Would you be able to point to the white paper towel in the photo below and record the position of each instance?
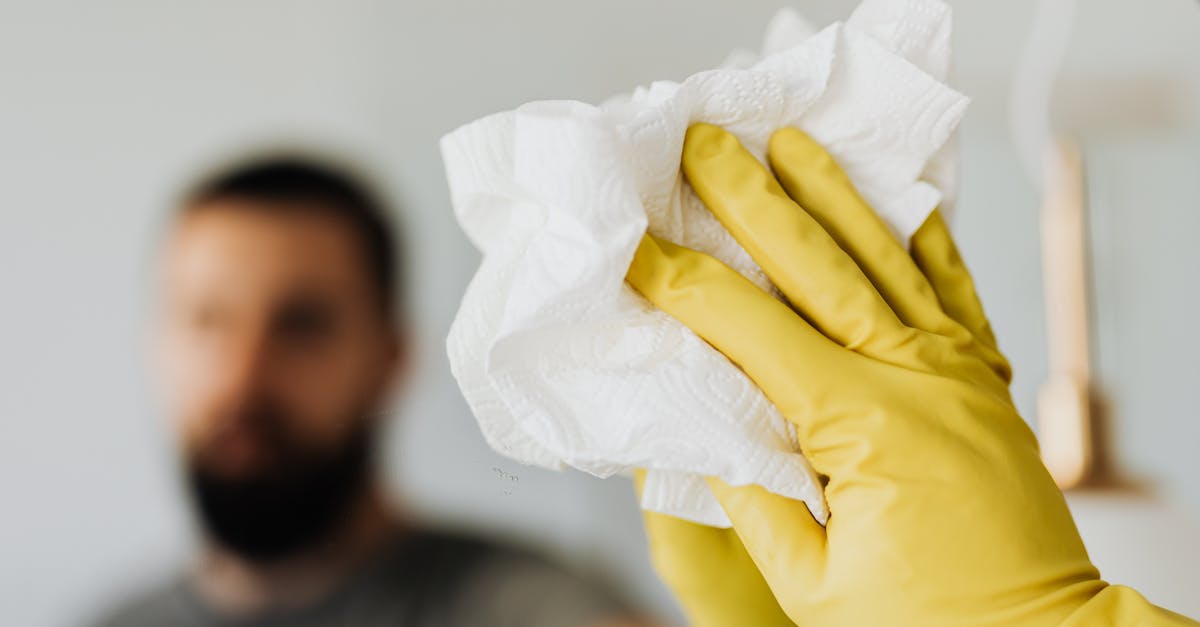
(563, 363)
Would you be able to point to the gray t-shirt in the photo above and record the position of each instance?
(421, 579)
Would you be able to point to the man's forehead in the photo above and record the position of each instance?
(248, 246)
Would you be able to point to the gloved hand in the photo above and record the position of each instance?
(941, 510)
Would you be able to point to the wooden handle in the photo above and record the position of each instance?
(1064, 401)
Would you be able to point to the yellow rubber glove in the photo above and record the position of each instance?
(709, 572)
(941, 510)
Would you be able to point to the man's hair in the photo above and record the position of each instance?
(302, 183)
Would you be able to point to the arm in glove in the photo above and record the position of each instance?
(941, 510)
(709, 572)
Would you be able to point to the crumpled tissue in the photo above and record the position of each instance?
(562, 363)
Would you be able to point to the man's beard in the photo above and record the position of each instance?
(291, 508)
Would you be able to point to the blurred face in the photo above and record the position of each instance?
(276, 357)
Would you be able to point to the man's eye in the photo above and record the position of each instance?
(304, 321)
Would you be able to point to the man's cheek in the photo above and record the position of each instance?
(192, 387)
(324, 398)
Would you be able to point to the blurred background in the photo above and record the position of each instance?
(107, 107)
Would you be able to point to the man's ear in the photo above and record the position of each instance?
(400, 348)
(403, 347)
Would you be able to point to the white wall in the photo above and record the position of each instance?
(106, 107)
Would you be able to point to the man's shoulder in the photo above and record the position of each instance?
(460, 554)
(441, 562)
(161, 603)
(504, 582)
(443, 544)
(442, 557)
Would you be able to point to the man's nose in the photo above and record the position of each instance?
(243, 365)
